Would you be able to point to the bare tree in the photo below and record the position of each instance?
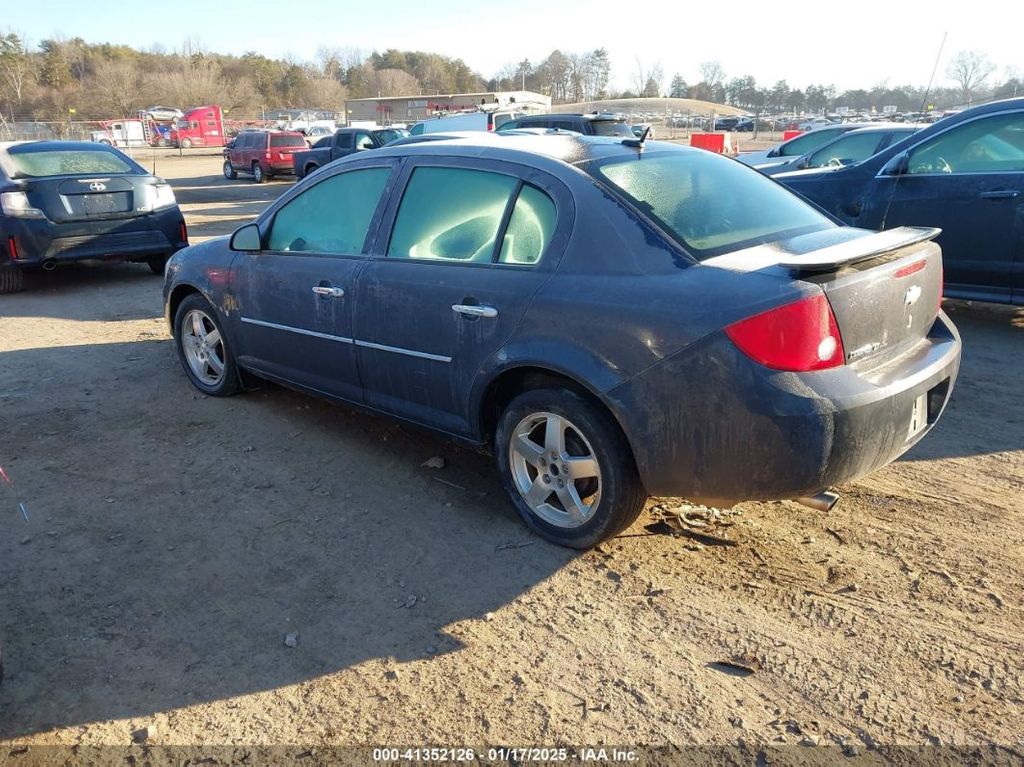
(711, 73)
(324, 93)
(15, 64)
(393, 82)
(969, 70)
(115, 87)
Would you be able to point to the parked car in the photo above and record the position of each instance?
(746, 124)
(263, 153)
(789, 152)
(605, 316)
(640, 128)
(587, 124)
(164, 114)
(964, 174)
(726, 123)
(65, 201)
(344, 141)
(317, 132)
(465, 121)
(850, 147)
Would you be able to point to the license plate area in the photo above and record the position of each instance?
(918, 416)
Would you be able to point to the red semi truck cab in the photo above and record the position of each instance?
(200, 126)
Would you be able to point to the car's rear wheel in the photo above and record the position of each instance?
(203, 348)
(567, 468)
(229, 171)
(157, 264)
(12, 279)
(185, 143)
(257, 173)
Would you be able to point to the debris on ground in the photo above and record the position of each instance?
(144, 734)
(437, 462)
(291, 640)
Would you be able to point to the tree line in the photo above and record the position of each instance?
(70, 79)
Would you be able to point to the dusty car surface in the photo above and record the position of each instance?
(63, 201)
(615, 319)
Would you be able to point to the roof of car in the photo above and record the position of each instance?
(54, 146)
(565, 146)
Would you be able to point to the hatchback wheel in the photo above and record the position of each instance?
(229, 171)
(257, 173)
(203, 349)
(567, 468)
(157, 264)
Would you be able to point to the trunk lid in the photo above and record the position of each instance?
(82, 199)
(884, 287)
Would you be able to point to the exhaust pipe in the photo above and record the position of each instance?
(50, 264)
(823, 501)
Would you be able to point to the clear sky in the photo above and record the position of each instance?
(848, 43)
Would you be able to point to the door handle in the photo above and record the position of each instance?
(323, 290)
(1001, 194)
(475, 311)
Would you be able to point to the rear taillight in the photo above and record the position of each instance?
(183, 232)
(12, 248)
(798, 337)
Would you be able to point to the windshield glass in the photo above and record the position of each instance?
(29, 163)
(711, 205)
(611, 128)
(390, 134)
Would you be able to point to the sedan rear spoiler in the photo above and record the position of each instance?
(860, 249)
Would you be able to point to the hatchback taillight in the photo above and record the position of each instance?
(798, 337)
(183, 232)
(12, 248)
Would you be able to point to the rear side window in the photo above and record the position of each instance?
(332, 216)
(451, 214)
(38, 164)
(710, 204)
(529, 229)
(279, 140)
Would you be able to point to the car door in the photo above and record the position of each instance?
(969, 181)
(295, 296)
(463, 250)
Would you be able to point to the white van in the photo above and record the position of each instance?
(463, 121)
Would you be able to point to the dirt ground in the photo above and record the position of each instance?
(174, 540)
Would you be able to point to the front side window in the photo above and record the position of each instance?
(989, 145)
(846, 150)
(809, 142)
(332, 216)
(710, 204)
(450, 214)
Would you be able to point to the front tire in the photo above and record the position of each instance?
(567, 468)
(203, 348)
(12, 279)
(185, 143)
(229, 171)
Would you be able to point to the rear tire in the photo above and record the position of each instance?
(567, 468)
(203, 348)
(185, 143)
(257, 173)
(12, 279)
(229, 171)
(156, 264)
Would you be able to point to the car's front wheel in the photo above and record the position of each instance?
(567, 468)
(203, 348)
(229, 171)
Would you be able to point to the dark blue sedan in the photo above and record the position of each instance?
(613, 319)
(965, 175)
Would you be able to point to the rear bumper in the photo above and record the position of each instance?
(140, 237)
(711, 425)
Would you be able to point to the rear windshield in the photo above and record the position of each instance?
(711, 205)
(29, 163)
(611, 128)
(277, 140)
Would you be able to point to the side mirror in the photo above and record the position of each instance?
(897, 166)
(774, 153)
(246, 239)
